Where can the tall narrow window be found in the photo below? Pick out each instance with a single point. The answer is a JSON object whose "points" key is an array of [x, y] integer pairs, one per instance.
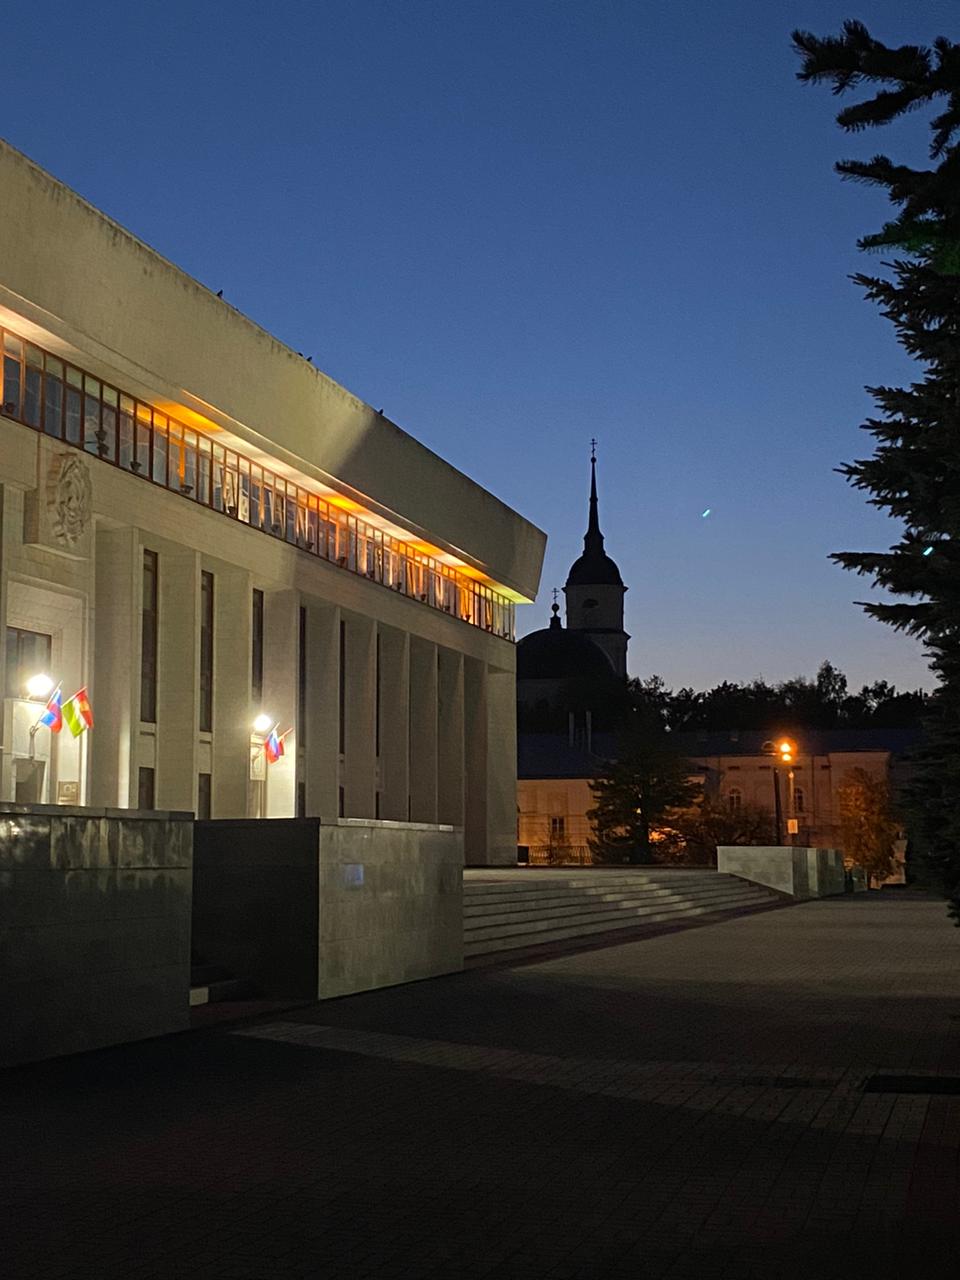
{"points": [[256, 667], [148, 638], [204, 793], [206, 651], [343, 687], [798, 800], [302, 679], [377, 698], [146, 796]]}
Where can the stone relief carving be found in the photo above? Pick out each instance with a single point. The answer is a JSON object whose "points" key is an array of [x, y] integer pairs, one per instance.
{"points": [[69, 497]]}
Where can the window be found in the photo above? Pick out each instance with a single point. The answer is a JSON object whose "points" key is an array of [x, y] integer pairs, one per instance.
{"points": [[376, 696], [798, 800], [28, 654], [735, 799], [301, 799], [206, 651], [557, 828], [256, 665], [203, 796], [343, 690], [341, 802], [145, 790], [148, 639], [45, 392], [302, 679]]}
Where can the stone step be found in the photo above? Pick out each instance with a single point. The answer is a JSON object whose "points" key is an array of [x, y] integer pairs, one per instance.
{"points": [[537, 883], [562, 893], [610, 916], [559, 902], [571, 911], [516, 942]]}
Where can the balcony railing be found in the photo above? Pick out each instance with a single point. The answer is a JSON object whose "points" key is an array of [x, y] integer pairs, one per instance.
{"points": [[56, 398]]}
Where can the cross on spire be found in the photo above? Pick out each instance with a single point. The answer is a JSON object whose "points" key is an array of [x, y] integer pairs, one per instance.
{"points": [[593, 450]]}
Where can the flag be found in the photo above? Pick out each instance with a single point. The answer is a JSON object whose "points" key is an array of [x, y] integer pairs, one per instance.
{"points": [[273, 746], [53, 713], [78, 713]]}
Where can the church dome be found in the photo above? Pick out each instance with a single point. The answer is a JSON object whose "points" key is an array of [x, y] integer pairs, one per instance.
{"points": [[594, 568], [557, 654]]}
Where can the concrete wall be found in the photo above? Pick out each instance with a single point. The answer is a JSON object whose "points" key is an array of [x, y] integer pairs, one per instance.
{"points": [[801, 873], [310, 909], [94, 928]]}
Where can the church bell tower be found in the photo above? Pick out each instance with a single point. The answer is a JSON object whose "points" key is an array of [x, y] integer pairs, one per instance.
{"points": [[594, 590]]}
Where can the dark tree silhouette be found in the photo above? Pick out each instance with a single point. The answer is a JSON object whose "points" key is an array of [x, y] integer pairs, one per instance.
{"points": [[914, 472]]}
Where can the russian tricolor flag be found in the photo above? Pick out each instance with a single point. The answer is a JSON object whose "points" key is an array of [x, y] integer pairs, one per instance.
{"points": [[273, 746], [53, 712]]}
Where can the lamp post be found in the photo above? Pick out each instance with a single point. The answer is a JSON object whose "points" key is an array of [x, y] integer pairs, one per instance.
{"points": [[784, 752]]}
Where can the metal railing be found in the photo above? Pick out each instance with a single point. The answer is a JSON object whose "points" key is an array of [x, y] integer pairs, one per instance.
{"points": [[56, 398]]}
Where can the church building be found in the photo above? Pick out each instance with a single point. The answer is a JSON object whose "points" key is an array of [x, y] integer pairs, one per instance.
{"points": [[570, 681]]}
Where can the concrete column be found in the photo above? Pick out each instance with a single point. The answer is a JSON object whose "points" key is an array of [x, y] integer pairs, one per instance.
{"points": [[501, 768], [233, 711], [281, 611], [178, 680], [360, 759], [476, 755], [450, 757], [115, 668], [321, 761], [423, 730], [394, 723]]}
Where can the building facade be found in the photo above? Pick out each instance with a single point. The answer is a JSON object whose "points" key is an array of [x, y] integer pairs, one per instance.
{"points": [[215, 539], [554, 794]]}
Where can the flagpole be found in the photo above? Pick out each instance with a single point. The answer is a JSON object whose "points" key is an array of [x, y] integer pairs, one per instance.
{"points": [[33, 728]]}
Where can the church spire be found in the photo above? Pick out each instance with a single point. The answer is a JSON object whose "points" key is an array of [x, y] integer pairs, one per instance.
{"points": [[593, 540]]}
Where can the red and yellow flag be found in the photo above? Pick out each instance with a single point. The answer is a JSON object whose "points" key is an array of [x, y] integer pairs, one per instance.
{"points": [[78, 714]]}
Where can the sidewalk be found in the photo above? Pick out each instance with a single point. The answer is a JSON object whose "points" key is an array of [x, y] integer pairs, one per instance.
{"points": [[690, 1105]]}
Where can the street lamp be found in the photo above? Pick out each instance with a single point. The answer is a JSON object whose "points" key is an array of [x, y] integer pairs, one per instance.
{"points": [[39, 686], [785, 752]]}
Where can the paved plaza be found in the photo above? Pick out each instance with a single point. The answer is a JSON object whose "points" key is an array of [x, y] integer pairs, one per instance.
{"points": [[689, 1105]]}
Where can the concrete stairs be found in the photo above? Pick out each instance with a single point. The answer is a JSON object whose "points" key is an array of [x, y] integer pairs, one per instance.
{"points": [[510, 910]]}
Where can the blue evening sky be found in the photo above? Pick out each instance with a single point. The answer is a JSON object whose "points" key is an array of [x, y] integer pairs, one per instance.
{"points": [[516, 224]]}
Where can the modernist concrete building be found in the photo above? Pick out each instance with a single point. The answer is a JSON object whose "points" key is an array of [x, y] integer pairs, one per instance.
{"points": [[201, 528]]}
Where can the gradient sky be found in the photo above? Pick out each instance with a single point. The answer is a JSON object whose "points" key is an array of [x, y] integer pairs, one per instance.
{"points": [[516, 224]]}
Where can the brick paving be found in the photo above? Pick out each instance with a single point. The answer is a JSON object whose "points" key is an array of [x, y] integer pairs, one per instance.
{"points": [[688, 1105]]}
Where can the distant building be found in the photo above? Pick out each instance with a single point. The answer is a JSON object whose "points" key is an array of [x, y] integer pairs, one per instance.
{"points": [[207, 534], [568, 682]]}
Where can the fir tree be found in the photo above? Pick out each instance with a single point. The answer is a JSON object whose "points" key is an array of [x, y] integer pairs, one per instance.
{"points": [[914, 472]]}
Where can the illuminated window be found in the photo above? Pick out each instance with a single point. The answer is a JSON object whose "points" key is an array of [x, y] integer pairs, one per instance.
{"points": [[735, 799], [558, 828], [50, 395]]}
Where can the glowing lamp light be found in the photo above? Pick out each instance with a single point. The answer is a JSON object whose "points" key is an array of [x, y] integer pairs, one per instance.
{"points": [[262, 723], [39, 686]]}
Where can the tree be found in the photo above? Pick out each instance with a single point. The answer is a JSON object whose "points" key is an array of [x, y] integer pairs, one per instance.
{"points": [[914, 472], [695, 834], [868, 828], [638, 790]]}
